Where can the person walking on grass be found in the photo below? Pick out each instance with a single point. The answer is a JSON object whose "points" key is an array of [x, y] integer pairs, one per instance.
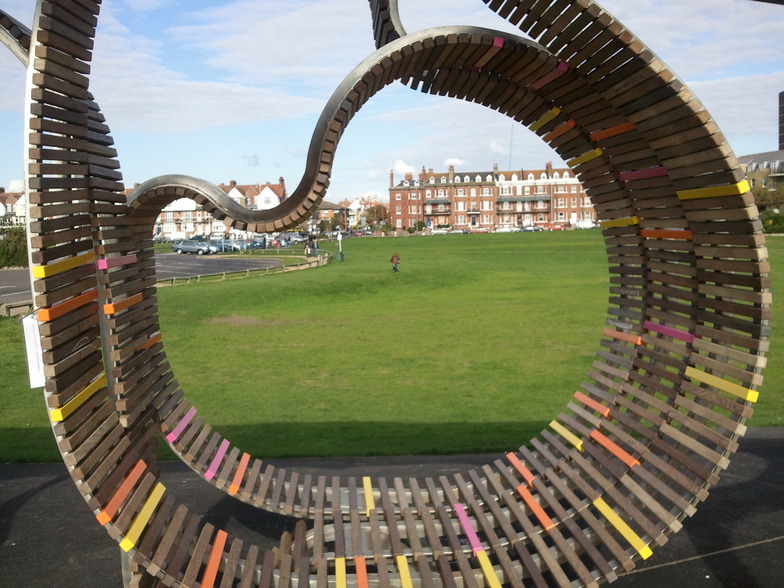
{"points": [[395, 261]]}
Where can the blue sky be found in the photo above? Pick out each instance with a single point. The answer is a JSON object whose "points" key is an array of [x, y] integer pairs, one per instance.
{"points": [[232, 90]]}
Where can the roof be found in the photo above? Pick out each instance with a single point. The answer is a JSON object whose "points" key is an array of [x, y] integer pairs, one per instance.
{"points": [[770, 160]]}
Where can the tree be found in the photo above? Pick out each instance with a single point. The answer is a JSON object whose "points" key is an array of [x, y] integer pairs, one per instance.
{"points": [[13, 248], [768, 197], [375, 214]]}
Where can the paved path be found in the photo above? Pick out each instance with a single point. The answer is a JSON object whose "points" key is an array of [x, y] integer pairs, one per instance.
{"points": [[15, 283], [48, 536]]}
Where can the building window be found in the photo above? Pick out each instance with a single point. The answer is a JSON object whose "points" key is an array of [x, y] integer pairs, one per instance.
{"points": [[461, 192], [460, 219], [432, 180], [457, 179], [574, 202], [485, 191], [428, 193], [443, 179], [540, 189], [574, 188], [398, 210], [397, 195], [528, 190], [440, 192], [461, 205], [412, 196], [486, 219]]}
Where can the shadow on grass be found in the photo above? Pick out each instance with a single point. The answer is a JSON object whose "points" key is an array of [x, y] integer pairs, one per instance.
{"points": [[339, 439]]}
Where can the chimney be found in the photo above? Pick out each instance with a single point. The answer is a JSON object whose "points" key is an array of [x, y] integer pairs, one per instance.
{"points": [[549, 169], [422, 175], [451, 173], [391, 178], [283, 194], [232, 183]]}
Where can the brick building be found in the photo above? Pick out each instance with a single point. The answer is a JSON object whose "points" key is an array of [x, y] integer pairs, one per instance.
{"points": [[489, 200]]}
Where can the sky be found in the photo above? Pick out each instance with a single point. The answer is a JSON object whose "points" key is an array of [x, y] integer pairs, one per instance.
{"points": [[232, 90]]}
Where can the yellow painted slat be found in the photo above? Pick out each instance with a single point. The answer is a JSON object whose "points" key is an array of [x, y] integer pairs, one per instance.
{"points": [[567, 434], [370, 503], [133, 534], [340, 572], [487, 569], [722, 384], [52, 269], [60, 414], [545, 118], [405, 573], [715, 191], [626, 221], [625, 530], [585, 157]]}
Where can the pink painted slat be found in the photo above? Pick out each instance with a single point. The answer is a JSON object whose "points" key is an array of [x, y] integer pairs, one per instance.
{"points": [[216, 461], [104, 264], [644, 174], [669, 331], [549, 77], [177, 431], [468, 529]]}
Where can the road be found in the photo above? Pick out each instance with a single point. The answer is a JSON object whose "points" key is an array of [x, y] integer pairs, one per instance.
{"points": [[15, 283]]}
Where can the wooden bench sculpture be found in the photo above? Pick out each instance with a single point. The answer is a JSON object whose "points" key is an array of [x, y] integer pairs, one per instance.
{"points": [[629, 458]]}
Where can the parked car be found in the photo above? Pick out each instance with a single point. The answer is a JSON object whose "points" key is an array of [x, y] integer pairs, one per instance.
{"points": [[190, 246], [459, 232], [439, 231], [226, 245], [532, 228]]}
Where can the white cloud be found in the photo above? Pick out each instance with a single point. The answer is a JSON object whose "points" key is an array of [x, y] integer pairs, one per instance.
{"points": [[453, 161], [209, 88], [401, 167]]}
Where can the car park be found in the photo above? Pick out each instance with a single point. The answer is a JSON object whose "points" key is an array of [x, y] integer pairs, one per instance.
{"points": [[191, 246]]}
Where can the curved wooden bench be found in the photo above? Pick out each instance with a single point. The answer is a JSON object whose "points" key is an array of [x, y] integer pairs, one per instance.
{"points": [[629, 458]]}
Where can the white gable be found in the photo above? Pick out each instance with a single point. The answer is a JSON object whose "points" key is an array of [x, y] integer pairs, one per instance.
{"points": [[266, 199]]}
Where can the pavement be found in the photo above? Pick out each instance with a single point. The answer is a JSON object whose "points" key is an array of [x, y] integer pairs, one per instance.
{"points": [[49, 537]]}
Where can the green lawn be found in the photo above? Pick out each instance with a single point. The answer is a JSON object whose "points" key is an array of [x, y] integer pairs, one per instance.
{"points": [[474, 346]]}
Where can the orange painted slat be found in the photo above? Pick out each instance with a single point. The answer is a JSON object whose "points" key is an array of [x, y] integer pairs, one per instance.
{"points": [[362, 577], [107, 514], [560, 130], [238, 475], [520, 467], [628, 337], [614, 448], [611, 132], [151, 341], [58, 310], [213, 563], [593, 404], [114, 307], [536, 508]]}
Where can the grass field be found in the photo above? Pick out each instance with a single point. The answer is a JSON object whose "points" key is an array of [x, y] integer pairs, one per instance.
{"points": [[474, 346]]}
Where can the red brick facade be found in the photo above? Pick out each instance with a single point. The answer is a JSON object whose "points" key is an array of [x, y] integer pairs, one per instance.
{"points": [[489, 200]]}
